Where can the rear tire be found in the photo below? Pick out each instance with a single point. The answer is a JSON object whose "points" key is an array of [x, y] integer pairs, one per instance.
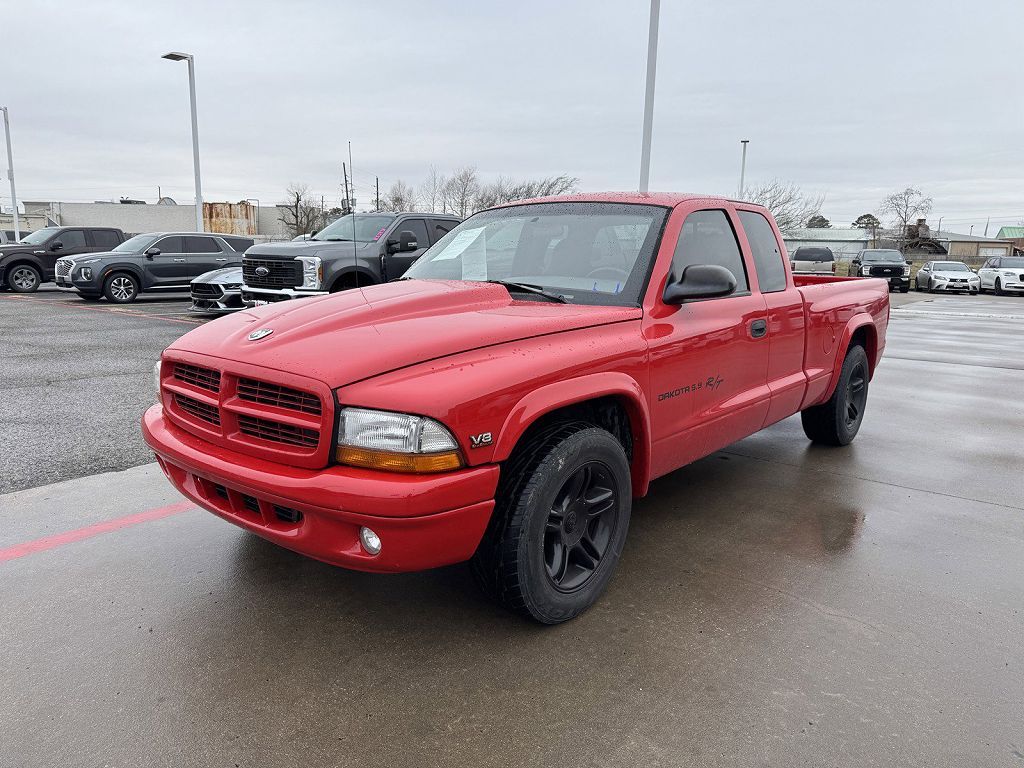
{"points": [[837, 421], [121, 288], [24, 278], [559, 524]]}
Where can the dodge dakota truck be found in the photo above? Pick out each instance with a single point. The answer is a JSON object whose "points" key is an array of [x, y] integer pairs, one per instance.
{"points": [[507, 399]]}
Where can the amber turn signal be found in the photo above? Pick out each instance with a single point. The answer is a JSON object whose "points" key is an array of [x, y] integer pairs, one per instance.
{"points": [[418, 463]]}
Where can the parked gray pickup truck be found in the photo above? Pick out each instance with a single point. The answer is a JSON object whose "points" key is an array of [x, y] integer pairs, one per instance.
{"points": [[358, 249]]}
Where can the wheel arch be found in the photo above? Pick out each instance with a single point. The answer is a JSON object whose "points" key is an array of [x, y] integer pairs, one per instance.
{"points": [[16, 259], [860, 330], [135, 271], [613, 401], [351, 273]]}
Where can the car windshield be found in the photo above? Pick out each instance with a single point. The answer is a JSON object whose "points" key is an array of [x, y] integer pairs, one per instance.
{"points": [[950, 266], [887, 255], [136, 244], [1012, 263], [587, 253], [363, 228], [39, 236]]}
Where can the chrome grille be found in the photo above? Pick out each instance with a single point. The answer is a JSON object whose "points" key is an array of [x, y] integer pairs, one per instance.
{"points": [[276, 432], [281, 273], [204, 378], [62, 268], [200, 410], [281, 397]]}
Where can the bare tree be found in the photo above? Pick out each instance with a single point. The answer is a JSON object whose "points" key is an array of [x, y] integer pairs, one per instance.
{"points": [[550, 185], [432, 191], [905, 207], [787, 202], [401, 197], [460, 191], [301, 214]]}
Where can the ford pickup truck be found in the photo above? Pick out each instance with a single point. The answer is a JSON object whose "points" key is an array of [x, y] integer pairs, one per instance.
{"points": [[506, 401]]}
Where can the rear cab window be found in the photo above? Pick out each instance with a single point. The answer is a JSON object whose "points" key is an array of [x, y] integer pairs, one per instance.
{"points": [[764, 247]]}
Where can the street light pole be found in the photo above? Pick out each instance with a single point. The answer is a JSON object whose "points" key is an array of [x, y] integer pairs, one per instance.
{"points": [[175, 56], [652, 66], [10, 173], [743, 167]]}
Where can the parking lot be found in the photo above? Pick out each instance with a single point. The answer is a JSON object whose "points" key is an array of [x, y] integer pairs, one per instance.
{"points": [[777, 603]]}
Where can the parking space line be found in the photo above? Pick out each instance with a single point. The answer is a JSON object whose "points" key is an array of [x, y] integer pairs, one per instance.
{"points": [[79, 534]]}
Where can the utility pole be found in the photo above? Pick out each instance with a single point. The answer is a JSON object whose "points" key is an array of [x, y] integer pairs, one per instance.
{"points": [[743, 167], [10, 173], [986, 225], [346, 207], [352, 170], [652, 66]]}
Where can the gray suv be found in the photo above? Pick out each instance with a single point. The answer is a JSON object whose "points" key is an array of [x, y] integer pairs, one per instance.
{"points": [[158, 261], [357, 249]]}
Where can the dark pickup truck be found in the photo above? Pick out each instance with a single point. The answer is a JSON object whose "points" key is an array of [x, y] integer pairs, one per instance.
{"points": [[886, 263], [26, 265], [358, 249]]}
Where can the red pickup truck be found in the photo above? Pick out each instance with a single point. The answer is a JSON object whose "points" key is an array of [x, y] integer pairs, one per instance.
{"points": [[507, 399]]}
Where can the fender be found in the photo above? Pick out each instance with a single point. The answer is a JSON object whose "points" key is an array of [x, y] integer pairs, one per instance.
{"points": [[371, 278], [563, 393], [20, 257], [135, 269], [854, 324]]}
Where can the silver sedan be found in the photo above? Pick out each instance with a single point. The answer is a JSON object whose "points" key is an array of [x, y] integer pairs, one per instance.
{"points": [[947, 277]]}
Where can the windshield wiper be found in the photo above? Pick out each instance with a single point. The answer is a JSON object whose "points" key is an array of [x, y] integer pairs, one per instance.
{"points": [[530, 288]]}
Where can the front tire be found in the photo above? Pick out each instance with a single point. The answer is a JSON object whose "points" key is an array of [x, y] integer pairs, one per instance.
{"points": [[999, 287], [121, 288], [24, 278], [837, 421], [559, 524]]}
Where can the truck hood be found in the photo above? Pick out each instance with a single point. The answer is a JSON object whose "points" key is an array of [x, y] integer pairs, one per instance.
{"points": [[360, 333], [306, 248]]}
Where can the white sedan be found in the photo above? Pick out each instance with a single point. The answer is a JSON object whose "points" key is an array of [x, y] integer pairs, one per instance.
{"points": [[947, 276], [1002, 275]]}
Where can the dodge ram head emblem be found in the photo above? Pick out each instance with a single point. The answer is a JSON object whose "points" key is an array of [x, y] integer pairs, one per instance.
{"points": [[262, 333], [262, 271]]}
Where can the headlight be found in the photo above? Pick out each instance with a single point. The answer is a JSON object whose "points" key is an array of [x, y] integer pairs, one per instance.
{"points": [[232, 286], [865, 270], [1009, 274], [395, 442], [312, 271], [906, 271], [85, 273], [156, 380]]}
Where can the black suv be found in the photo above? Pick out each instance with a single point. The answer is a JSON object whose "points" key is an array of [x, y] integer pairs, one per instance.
{"points": [[25, 265], [357, 249], [887, 263], [153, 262]]}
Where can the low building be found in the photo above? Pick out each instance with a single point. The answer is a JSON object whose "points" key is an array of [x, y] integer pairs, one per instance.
{"points": [[973, 250], [1013, 235]]}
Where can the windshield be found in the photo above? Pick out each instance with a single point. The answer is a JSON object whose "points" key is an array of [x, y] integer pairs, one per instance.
{"points": [[39, 236], [589, 253], [881, 256], [136, 244], [369, 228], [1012, 263], [950, 266]]}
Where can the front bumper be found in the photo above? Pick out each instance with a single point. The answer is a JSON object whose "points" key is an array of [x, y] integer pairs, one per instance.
{"points": [[228, 301], [256, 296], [424, 521], [899, 282], [947, 287]]}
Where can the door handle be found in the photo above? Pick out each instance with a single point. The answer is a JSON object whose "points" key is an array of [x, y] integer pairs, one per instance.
{"points": [[758, 329], [220, 259], [179, 260]]}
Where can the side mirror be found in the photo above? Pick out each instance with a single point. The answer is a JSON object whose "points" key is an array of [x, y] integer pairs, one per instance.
{"points": [[151, 252], [700, 281], [406, 242], [58, 246]]}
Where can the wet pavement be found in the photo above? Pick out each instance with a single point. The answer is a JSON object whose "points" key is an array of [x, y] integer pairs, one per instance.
{"points": [[777, 604]]}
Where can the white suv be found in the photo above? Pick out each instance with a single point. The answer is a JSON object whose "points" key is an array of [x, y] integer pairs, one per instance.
{"points": [[1002, 275]]}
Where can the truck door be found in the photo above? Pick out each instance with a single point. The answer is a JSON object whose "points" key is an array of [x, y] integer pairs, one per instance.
{"points": [[708, 358], [397, 262], [787, 333]]}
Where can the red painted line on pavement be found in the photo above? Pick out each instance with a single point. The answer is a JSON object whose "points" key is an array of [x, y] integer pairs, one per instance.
{"points": [[79, 534], [107, 310]]}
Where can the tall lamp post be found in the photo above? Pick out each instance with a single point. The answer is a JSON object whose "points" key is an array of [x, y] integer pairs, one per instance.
{"points": [[743, 168], [10, 173], [176, 56], [652, 66]]}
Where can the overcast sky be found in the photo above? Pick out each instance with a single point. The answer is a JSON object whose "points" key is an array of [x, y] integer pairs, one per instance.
{"points": [[851, 100]]}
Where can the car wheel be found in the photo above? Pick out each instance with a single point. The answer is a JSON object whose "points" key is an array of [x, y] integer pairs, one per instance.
{"points": [[837, 421], [121, 288], [999, 287], [559, 524], [24, 278]]}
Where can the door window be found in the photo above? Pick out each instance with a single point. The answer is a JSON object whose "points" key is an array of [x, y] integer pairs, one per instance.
{"points": [[418, 227], [170, 244], [195, 244], [708, 238], [442, 228], [105, 239], [771, 274], [73, 238]]}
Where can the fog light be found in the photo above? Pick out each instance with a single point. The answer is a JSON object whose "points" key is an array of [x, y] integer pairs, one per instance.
{"points": [[370, 540]]}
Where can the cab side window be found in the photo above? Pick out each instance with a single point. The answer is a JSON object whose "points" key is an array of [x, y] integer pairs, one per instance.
{"points": [[708, 238], [72, 238], [764, 247], [419, 229]]}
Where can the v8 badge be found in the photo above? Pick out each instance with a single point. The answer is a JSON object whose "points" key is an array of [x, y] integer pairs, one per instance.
{"points": [[479, 441]]}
